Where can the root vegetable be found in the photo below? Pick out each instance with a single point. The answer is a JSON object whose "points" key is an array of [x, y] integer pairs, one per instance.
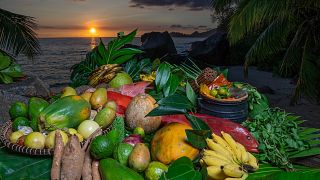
{"points": [[95, 170], [58, 150]]}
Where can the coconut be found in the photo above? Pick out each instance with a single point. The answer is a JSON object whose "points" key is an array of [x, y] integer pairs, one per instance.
{"points": [[136, 111]]}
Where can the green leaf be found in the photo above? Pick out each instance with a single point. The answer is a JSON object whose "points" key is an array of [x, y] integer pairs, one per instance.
{"points": [[134, 68], [176, 100], [166, 110], [17, 166], [191, 94], [5, 61], [171, 86], [123, 59], [310, 136], [308, 152], [5, 78], [197, 123], [162, 76], [155, 64], [181, 169], [306, 131], [14, 70], [197, 138], [125, 39], [125, 51], [103, 53]]}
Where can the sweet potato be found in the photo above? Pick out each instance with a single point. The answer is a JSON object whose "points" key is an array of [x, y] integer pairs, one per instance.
{"points": [[95, 170], [56, 163], [72, 160]]}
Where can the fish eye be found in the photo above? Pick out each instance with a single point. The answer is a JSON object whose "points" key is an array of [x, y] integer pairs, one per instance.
{"points": [[248, 137]]}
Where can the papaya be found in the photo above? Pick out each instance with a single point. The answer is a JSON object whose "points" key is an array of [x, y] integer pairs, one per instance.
{"points": [[112, 169], [36, 105], [67, 112]]}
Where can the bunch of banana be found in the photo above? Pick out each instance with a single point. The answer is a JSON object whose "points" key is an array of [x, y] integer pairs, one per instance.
{"points": [[104, 74], [148, 77], [227, 159]]}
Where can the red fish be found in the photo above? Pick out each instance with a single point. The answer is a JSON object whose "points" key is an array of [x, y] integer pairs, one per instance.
{"points": [[238, 132], [134, 88]]}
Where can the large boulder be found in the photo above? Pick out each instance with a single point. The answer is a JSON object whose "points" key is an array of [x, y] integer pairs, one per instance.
{"points": [[211, 51], [157, 44], [20, 91]]}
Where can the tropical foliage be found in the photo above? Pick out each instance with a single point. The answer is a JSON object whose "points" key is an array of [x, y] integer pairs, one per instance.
{"points": [[288, 28], [115, 53], [17, 37]]}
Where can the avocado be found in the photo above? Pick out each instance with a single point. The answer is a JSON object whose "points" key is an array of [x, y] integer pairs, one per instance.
{"points": [[112, 169]]}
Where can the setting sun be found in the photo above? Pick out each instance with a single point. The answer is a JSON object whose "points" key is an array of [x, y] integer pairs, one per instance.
{"points": [[93, 31]]}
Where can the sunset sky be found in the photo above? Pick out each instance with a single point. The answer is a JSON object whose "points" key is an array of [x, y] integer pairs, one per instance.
{"points": [[74, 18]]}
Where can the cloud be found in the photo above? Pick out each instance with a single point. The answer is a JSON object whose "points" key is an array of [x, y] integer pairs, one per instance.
{"points": [[193, 5], [179, 26]]}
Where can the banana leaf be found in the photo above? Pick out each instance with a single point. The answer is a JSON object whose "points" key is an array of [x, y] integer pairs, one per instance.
{"points": [[5, 61], [17, 166]]}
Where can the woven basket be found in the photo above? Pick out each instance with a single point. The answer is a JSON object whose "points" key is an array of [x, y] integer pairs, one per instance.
{"points": [[5, 132]]}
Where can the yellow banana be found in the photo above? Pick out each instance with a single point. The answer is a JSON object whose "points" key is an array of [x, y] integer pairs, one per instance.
{"points": [[223, 143], [253, 161], [233, 170], [214, 161], [232, 143], [211, 153], [217, 147], [244, 154], [215, 172], [242, 178]]}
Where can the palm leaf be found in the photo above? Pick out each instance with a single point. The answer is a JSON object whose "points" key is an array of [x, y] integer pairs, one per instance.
{"points": [[17, 34]]}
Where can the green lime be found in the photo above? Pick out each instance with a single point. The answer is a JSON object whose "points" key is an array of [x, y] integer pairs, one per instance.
{"points": [[213, 92], [18, 109], [103, 146], [121, 153], [121, 78], [222, 91], [139, 131], [155, 170], [20, 121]]}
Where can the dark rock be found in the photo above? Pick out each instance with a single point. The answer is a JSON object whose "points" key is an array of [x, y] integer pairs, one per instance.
{"points": [[265, 90], [20, 91], [157, 44], [211, 51]]}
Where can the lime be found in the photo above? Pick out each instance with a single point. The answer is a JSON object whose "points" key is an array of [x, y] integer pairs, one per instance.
{"points": [[155, 170], [121, 78], [222, 91], [121, 153], [103, 146], [213, 92], [20, 121], [139, 131], [18, 109]]}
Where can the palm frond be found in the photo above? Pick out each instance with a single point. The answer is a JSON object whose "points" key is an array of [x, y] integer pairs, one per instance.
{"points": [[270, 41], [254, 14], [17, 35]]}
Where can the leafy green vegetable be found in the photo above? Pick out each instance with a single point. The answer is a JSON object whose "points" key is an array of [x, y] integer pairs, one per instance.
{"points": [[172, 85], [278, 135], [182, 169], [118, 124], [17, 166], [197, 138], [191, 94]]}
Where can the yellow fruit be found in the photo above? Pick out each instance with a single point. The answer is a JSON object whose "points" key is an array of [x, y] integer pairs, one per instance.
{"points": [[215, 172], [35, 140], [50, 139], [68, 91], [15, 136], [233, 170], [169, 143]]}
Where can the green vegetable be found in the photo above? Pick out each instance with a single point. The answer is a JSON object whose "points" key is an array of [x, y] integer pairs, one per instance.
{"points": [[134, 68], [111, 169], [118, 124], [8, 69], [278, 135]]}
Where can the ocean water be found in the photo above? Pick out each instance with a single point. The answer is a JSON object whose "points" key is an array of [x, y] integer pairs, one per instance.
{"points": [[59, 54]]}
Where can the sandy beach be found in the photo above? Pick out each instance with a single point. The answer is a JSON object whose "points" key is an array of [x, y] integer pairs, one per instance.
{"points": [[283, 90]]}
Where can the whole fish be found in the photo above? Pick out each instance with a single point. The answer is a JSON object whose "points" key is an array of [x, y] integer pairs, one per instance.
{"points": [[238, 132]]}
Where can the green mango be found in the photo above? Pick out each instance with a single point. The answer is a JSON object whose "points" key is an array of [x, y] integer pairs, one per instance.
{"points": [[112, 169], [67, 112], [36, 105]]}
